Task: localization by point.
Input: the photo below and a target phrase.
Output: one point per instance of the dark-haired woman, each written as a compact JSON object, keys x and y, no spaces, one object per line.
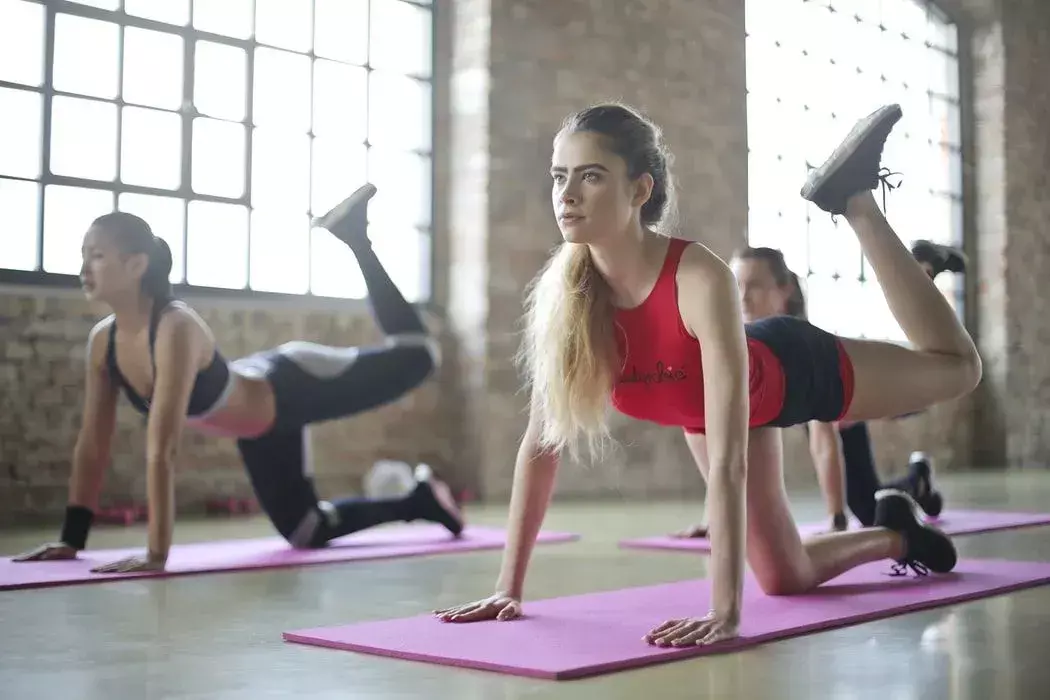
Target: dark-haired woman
{"x":166,"y":361}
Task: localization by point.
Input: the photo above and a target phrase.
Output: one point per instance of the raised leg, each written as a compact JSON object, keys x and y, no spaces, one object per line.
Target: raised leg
{"x":943,"y":362}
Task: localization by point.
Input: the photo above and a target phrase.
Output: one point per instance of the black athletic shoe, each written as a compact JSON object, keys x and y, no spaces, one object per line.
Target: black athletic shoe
{"x":839,"y":523}
{"x":854,"y":166}
{"x":926,"y":548}
{"x":348,"y":220}
{"x":940,"y":258}
{"x":920,"y":474}
{"x":433,"y":501}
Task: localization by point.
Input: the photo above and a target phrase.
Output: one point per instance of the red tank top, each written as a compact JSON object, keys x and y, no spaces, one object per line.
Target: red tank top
{"x":661,"y":378}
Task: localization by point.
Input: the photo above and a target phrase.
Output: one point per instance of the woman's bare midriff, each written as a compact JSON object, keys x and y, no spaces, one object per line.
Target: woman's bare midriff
{"x":249,"y":411}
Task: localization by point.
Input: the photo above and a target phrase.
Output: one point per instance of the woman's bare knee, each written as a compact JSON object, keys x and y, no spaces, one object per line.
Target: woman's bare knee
{"x":781,"y":583}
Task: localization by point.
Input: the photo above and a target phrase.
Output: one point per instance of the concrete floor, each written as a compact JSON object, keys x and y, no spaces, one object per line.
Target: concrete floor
{"x":219,"y":636}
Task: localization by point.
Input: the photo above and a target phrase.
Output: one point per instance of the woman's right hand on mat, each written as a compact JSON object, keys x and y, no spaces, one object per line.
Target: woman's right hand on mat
{"x":495,"y":607}
{"x":48,"y":552}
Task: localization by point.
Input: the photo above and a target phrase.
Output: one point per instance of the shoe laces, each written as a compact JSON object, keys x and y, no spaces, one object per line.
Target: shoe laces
{"x":884,"y":174}
{"x":901,"y":568}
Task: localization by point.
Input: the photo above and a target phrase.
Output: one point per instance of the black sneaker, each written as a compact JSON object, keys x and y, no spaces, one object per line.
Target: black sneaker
{"x":348,"y":220}
{"x":940,"y":258}
{"x":854,"y":166}
{"x":433,"y":501}
{"x":926,"y":548}
{"x":920,"y":474}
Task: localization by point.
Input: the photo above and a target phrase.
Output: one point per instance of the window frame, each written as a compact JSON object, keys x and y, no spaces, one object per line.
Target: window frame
{"x":185,"y":194}
{"x":955,"y":197}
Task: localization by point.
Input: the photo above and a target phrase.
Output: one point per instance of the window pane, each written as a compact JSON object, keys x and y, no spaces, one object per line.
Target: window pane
{"x":68,"y":213}
{"x":398,"y":112}
{"x":284,"y":23}
{"x":280,"y":252}
{"x":20,"y":136}
{"x":152,"y":68}
{"x":341,"y":30}
{"x":218,"y":158}
{"x":281,"y":170}
{"x":19,"y":201}
{"x":86,"y":52}
{"x":404,"y":186}
{"x":167,"y":217}
{"x":405,"y":253}
{"x":151,"y":148}
{"x":21,"y":42}
{"x":226,"y":17}
{"x":339,"y":168}
{"x":401,"y":37}
{"x":103,"y":4}
{"x":333,"y":269}
{"x":220,"y":80}
{"x":84,"y":138}
{"x":217,"y":236}
{"x":282,"y":89}
{"x":340,"y":100}
{"x":941,"y":34}
{"x":167,"y":11}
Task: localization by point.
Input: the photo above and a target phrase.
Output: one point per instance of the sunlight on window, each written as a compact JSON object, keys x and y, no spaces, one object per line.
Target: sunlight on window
{"x":21,"y":42}
{"x":281,"y":170}
{"x":168,"y":11}
{"x":220,"y":80}
{"x":231,"y":18}
{"x":19,"y":201}
{"x":398,"y":111}
{"x":401,"y":38}
{"x":217,"y":238}
{"x":218,"y":158}
{"x":341,"y":30}
{"x":167,"y":217}
{"x":152,"y":68}
{"x":151,"y":148}
{"x":282,"y":89}
{"x":340,"y":96}
{"x":83,"y":138}
{"x":86,"y":52}
{"x":280,"y":251}
{"x":283,"y":23}
{"x":813,"y":70}
{"x":404,"y":253}
{"x":20,"y":135}
{"x":333,"y":269}
{"x":68,"y":213}
{"x":339,"y":168}
{"x":403,"y":180}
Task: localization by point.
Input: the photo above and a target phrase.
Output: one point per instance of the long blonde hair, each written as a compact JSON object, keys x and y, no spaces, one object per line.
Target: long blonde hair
{"x":569,"y":352}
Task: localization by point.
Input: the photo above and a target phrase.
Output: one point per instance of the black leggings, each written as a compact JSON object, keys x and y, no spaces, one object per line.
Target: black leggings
{"x":314,"y":383}
{"x":862,"y":480}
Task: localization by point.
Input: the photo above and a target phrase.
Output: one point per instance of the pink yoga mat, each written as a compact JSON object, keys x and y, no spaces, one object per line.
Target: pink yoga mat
{"x":266,"y":553}
{"x":585,"y":635}
{"x":953,"y":522}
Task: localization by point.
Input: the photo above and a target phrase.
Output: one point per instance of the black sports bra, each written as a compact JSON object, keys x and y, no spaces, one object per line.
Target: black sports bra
{"x":209,"y":389}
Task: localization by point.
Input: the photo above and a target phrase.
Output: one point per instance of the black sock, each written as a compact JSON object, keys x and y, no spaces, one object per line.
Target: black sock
{"x":392,"y":312}
{"x":356,"y":514}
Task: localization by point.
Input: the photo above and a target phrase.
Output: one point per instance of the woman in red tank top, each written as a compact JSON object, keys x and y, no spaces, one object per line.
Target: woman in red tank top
{"x":622,"y":316}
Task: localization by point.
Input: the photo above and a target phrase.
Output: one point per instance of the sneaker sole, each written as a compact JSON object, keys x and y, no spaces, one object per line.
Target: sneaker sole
{"x":861,"y":132}
{"x":916,"y":509}
{"x":340,"y":211}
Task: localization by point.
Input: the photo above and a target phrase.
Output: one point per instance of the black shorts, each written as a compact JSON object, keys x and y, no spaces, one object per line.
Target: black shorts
{"x":818,"y":374}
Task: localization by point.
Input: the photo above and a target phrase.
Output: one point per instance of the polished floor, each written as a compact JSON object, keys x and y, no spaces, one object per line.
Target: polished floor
{"x":218,"y":636}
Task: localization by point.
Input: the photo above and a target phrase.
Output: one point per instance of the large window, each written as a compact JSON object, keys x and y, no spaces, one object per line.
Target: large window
{"x":813,"y":69}
{"x":226,"y":124}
